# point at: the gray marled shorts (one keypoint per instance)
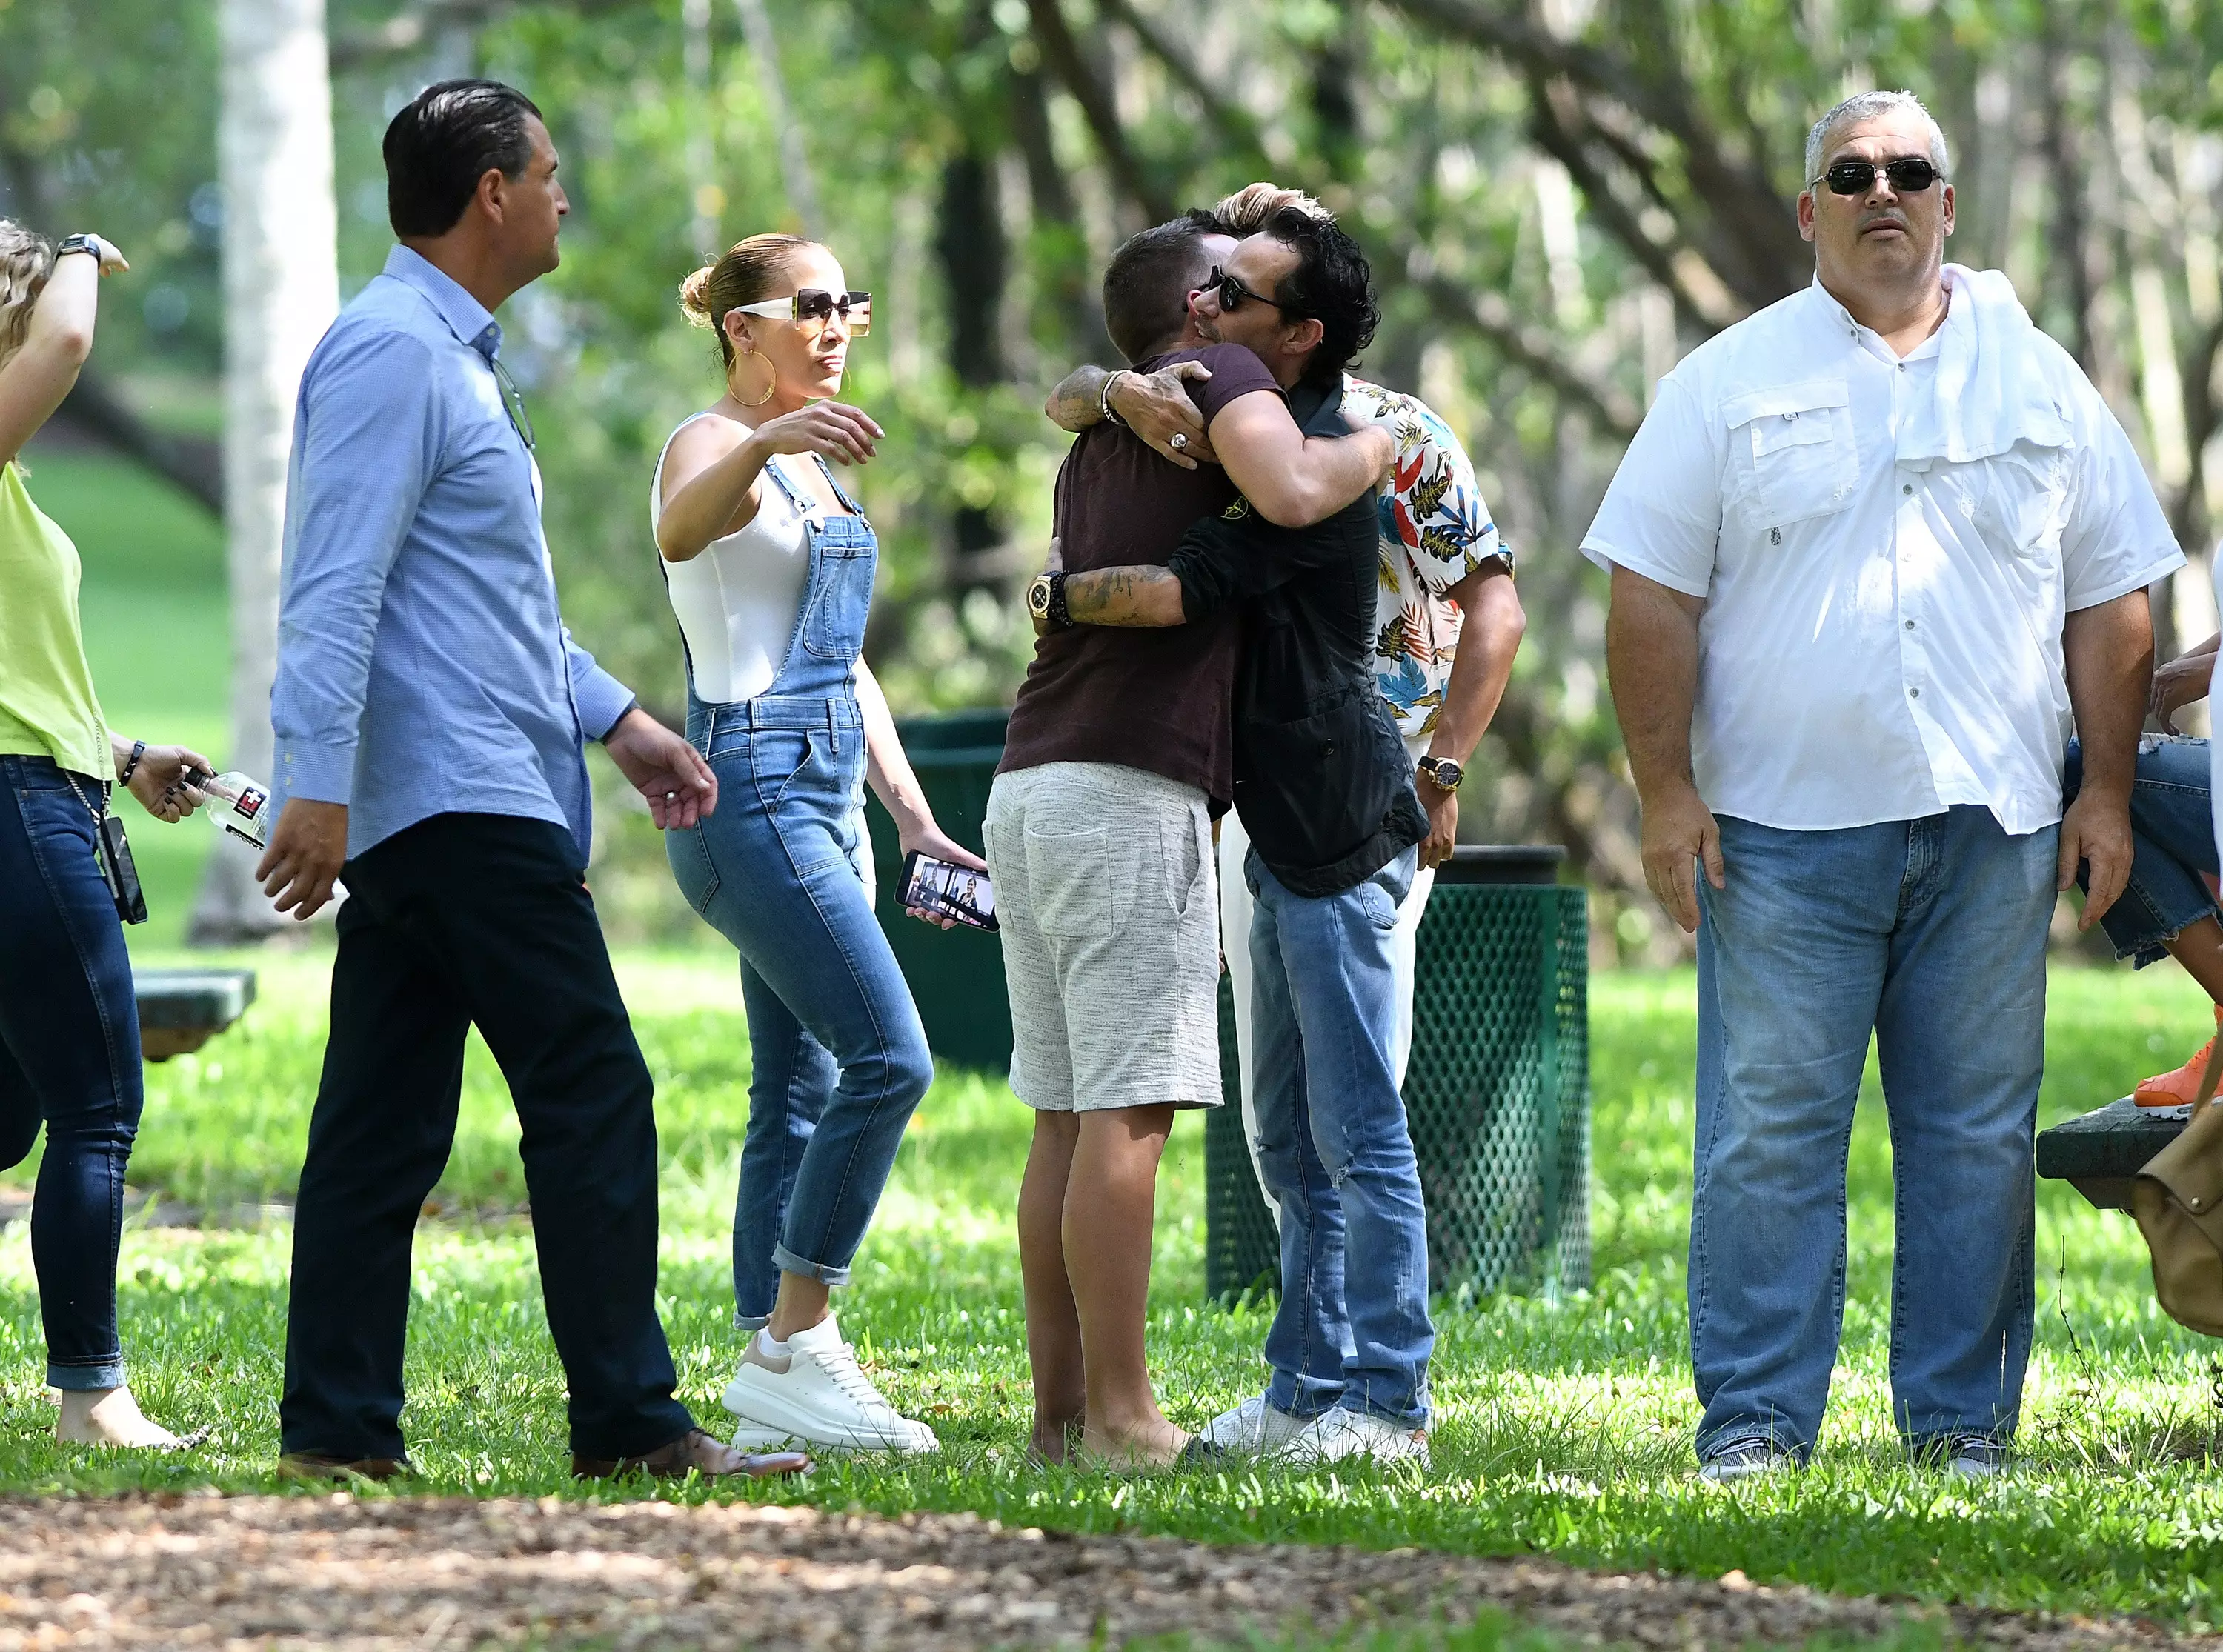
(1108, 902)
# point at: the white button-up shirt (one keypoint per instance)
(1882, 634)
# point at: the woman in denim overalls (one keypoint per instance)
(771, 565)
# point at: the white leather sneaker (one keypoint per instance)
(816, 1393)
(1255, 1429)
(1341, 1434)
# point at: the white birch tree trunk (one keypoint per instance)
(281, 292)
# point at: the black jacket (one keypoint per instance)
(1321, 779)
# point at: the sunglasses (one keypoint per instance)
(1233, 295)
(1909, 176)
(513, 403)
(813, 307)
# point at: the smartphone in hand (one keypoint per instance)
(952, 891)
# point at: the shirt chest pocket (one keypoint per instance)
(1791, 452)
(2021, 499)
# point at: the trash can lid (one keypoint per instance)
(1503, 862)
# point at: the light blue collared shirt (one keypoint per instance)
(423, 667)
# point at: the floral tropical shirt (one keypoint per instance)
(1435, 531)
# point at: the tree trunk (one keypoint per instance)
(281, 291)
(972, 246)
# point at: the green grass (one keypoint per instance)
(1563, 1427)
(156, 631)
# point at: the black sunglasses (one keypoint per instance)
(1909, 175)
(1233, 295)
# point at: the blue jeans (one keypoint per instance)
(2173, 833)
(1931, 934)
(839, 1058)
(69, 1058)
(1352, 1329)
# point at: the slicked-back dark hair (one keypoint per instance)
(1147, 285)
(1332, 284)
(450, 136)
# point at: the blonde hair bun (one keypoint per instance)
(749, 271)
(695, 295)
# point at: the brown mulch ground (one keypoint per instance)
(443, 1576)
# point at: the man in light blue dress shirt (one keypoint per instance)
(430, 709)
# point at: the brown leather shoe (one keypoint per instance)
(322, 1465)
(694, 1453)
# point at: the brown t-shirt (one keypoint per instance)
(1156, 700)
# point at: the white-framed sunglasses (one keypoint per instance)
(815, 307)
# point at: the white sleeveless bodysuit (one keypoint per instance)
(739, 598)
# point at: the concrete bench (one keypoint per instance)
(2099, 1154)
(179, 1010)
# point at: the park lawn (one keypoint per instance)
(1563, 1424)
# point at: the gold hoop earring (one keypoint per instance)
(769, 388)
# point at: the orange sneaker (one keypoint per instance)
(2178, 1090)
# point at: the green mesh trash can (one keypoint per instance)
(956, 975)
(1497, 1091)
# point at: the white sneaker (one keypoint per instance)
(1256, 1428)
(1342, 1433)
(818, 1394)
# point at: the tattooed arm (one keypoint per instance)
(1156, 405)
(1137, 595)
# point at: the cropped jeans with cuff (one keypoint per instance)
(1931, 934)
(1336, 1152)
(839, 1057)
(69, 1060)
(2173, 840)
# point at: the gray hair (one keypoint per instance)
(27, 258)
(1860, 106)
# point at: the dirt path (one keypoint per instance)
(443, 1576)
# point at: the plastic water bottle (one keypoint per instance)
(241, 805)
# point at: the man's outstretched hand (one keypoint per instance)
(664, 769)
(307, 848)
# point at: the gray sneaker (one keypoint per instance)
(1969, 1456)
(1744, 1460)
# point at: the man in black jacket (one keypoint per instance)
(1326, 790)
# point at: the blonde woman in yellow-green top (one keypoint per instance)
(69, 1023)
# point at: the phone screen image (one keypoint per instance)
(956, 892)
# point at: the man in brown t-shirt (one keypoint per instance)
(1118, 757)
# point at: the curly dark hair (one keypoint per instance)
(1331, 285)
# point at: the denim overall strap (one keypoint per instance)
(829, 629)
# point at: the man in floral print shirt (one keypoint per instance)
(1445, 579)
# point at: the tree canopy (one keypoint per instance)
(1559, 197)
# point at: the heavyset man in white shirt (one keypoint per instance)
(1875, 551)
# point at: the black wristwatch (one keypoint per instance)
(1443, 771)
(68, 244)
(1046, 601)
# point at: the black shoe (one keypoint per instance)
(322, 1465)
